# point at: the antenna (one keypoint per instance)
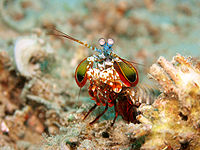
(55, 32)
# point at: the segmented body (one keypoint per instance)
(105, 83)
(107, 88)
(112, 80)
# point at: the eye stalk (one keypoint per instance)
(110, 42)
(102, 41)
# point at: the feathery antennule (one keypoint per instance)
(55, 32)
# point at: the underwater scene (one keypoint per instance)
(99, 75)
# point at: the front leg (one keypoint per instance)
(97, 118)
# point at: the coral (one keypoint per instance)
(174, 116)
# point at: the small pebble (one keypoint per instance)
(105, 134)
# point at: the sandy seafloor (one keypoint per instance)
(39, 104)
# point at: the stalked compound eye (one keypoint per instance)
(110, 42)
(81, 73)
(102, 41)
(127, 72)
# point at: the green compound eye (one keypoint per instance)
(80, 73)
(127, 72)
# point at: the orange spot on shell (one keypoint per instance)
(117, 87)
